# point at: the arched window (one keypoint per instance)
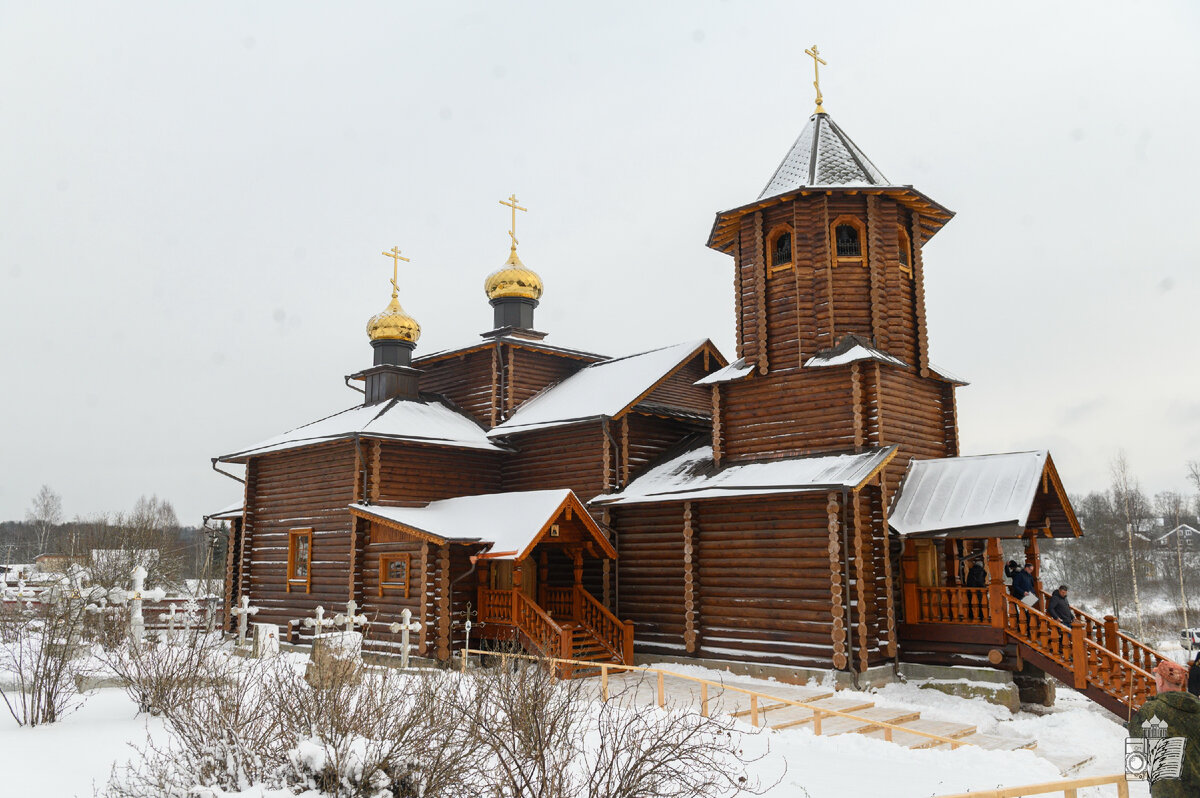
(849, 241)
(779, 250)
(904, 251)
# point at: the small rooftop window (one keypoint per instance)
(780, 249)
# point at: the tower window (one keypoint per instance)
(299, 562)
(848, 245)
(779, 249)
(904, 251)
(849, 233)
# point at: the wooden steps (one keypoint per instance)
(942, 728)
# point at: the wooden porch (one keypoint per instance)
(1091, 655)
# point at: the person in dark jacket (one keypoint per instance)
(1194, 677)
(1059, 609)
(977, 576)
(1181, 711)
(1023, 585)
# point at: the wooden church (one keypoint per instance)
(803, 505)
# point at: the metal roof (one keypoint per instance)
(823, 155)
(693, 475)
(989, 495)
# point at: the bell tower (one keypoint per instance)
(830, 309)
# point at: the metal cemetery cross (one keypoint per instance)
(511, 202)
(241, 612)
(396, 257)
(407, 625)
(817, 59)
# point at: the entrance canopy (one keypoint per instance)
(988, 496)
(508, 524)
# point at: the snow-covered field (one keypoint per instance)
(75, 756)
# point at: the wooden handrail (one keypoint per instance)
(547, 637)
(1067, 787)
(1107, 635)
(755, 695)
(601, 622)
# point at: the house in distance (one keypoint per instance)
(802, 506)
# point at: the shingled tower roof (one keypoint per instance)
(823, 155)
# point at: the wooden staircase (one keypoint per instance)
(589, 632)
(586, 646)
(1092, 656)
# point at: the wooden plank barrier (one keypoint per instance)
(1068, 787)
(756, 697)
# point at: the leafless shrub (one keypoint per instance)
(41, 658)
(162, 673)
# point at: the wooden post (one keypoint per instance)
(1111, 641)
(995, 570)
(754, 710)
(908, 573)
(576, 594)
(1078, 655)
(564, 648)
(816, 721)
(603, 682)
(627, 643)
(704, 699)
(661, 697)
(464, 660)
(1032, 555)
(543, 576)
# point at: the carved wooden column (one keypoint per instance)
(760, 293)
(918, 241)
(994, 562)
(443, 620)
(908, 576)
(543, 576)
(856, 405)
(836, 599)
(889, 583)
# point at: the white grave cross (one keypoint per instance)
(351, 618)
(407, 625)
(244, 609)
(320, 622)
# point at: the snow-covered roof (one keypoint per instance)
(510, 522)
(1186, 531)
(230, 513)
(693, 475)
(426, 421)
(736, 370)
(601, 389)
(988, 495)
(848, 350)
(823, 155)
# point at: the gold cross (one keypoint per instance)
(512, 203)
(396, 257)
(817, 59)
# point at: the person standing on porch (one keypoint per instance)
(1059, 609)
(977, 576)
(1023, 586)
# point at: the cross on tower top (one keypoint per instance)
(512, 203)
(817, 61)
(396, 257)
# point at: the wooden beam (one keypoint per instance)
(836, 588)
(689, 581)
(760, 293)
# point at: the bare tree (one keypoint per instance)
(1172, 504)
(42, 641)
(44, 515)
(1124, 485)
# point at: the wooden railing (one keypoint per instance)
(1127, 683)
(616, 635)
(953, 605)
(758, 701)
(1106, 634)
(495, 606)
(1068, 787)
(1040, 632)
(547, 637)
(558, 602)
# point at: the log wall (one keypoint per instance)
(464, 379)
(787, 413)
(680, 391)
(413, 475)
(292, 490)
(562, 457)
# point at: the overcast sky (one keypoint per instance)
(194, 198)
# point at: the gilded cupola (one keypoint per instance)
(513, 290)
(393, 335)
(393, 324)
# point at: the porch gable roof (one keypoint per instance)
(508, 524)
(991, 495)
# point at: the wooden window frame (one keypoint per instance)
(293, 581)
(904, 245)
(772, 237)
(390, 557)
(847, 260)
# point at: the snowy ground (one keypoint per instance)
(75, 755)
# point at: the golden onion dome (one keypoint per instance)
(393, 324)
(513, 280)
